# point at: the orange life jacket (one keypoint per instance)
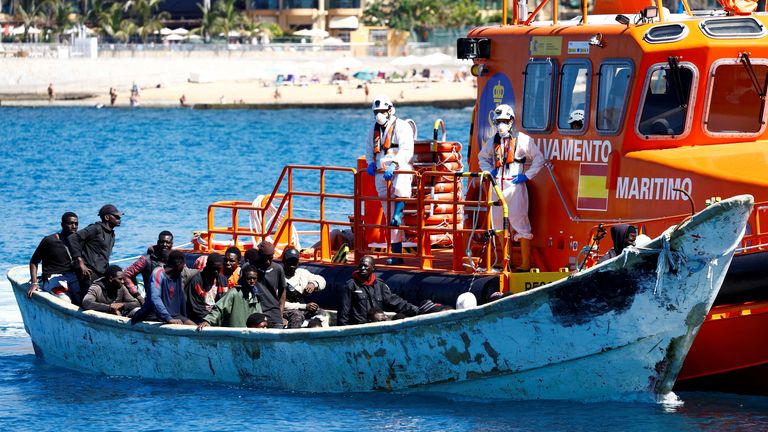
(499, 151)
(377, 144)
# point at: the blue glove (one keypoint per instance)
(390, 172)
(494, 172)
(371, 169)
(520, 178)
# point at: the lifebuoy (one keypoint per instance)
(441, 209)
(436, 147)
(436, 158)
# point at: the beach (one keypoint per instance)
(225, 81)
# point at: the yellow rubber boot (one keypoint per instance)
(525, 253)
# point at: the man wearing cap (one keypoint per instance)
(92, 246)
(300, 283)
(270, 287)
(365, 292)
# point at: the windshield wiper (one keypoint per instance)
(744, 57)
(677, 82)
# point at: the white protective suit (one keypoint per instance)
(401, 152)
(516, 195)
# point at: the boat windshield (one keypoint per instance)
(665, 109)
(736, 103)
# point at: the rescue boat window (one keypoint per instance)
(745, 27)
(735, 106)
(574, 96)
(537, 95)
(612, 95)
(665, 109)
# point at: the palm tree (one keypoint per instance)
(206, 23)
(30, 11)
(149, 21)
(227, 17)
(57, 20)
(112, 23)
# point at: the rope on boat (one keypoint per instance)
(668, 259)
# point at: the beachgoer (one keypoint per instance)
(257, 320)
(623, 235)
(365, 292)
(237, 305)
(135, 89)
(58, 277)
(183, 100)
(51, 93)
(112, 96)
(206, 288)
(339, 90)
(300, 283)
(366, 90)
(576, 119)
(165, 300)
(390, 147)
(109, 295)
(92, 246)
(277, 95)
(231, 269)
(506, 159)
(157, 256)
(271, 283)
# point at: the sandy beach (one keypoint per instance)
(224, 82)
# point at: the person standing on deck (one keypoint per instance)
(59, 278)
(270, 287)
(506, 160)
(390, 147)
(157, 256)
(92, 246)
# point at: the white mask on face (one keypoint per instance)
(382, 118)
(504, 129)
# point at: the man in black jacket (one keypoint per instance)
(365, 292)
(271, 282)
(92, 246)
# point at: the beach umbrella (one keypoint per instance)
(311, 33)
(332, 41)
(233, 34)
(194, 37)
(406, 61)
(165, 31)
(180, 31)
(437, 59)
(20, 30)
(364, 75)
(174, 38)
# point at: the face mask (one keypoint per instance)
(504, 129)
(381, 118)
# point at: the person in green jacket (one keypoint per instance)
(237, 305)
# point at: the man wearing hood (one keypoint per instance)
(623, 235)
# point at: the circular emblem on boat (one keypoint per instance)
(498, 90)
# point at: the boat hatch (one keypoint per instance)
(666, 33)
(665, 112)
(727, 28)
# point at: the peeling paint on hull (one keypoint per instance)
(617, 330)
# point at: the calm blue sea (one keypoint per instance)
(163, 168)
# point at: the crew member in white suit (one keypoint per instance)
(512, 160)
(390, 147)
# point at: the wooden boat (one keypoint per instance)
(620, 329)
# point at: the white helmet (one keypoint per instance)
(576, 115)
(503, 112)
(382, 102)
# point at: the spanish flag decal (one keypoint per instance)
(593, 187)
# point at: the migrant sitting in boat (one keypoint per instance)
(365, 292)
(165, 297)
(206, 288)
(92, 246)
(270, 284)
(155, 257)
(238, 304)
(300, 284)
(53, 251)
(623, 235)
(231, 269)
(257, 320)
(109, 295)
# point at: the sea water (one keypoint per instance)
(163, 168)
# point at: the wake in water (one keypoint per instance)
(11, 324)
